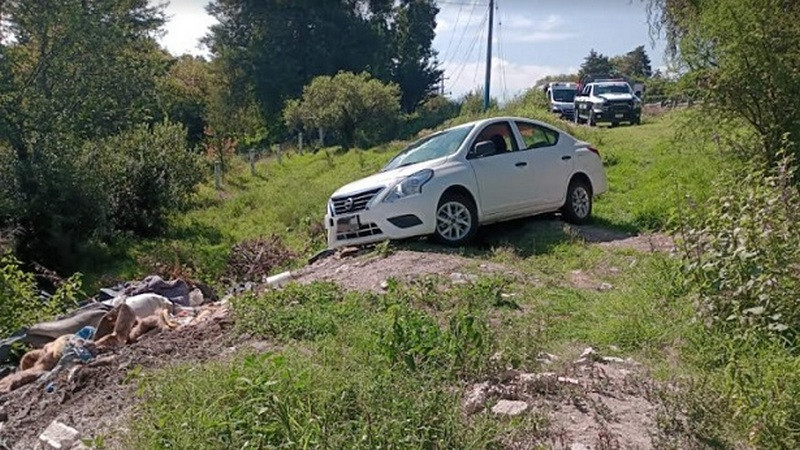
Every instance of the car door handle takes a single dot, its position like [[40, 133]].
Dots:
[[566, 158], [521, 164]]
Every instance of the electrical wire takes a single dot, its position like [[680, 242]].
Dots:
[[471, 48], [501, 50]]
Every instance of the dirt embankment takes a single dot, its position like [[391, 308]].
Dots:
[[98, 398]]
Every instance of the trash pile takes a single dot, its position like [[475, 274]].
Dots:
[[118, 316]]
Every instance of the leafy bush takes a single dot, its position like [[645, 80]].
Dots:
[[741, 253], [359, 108], [20, 304], [146, 174]]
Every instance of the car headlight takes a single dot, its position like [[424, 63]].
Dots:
[[411, 185]]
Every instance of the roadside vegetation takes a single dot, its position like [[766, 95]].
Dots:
[[127, 192]]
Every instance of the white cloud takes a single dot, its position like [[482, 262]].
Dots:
[[539, 36], [508, 78]]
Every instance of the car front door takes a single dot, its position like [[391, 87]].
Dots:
[[551, 165], [502, 177]]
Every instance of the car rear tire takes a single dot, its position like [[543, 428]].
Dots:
[[578, 207], [456, 220]]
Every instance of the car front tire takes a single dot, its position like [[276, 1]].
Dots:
[[456, 220], [578, 207]]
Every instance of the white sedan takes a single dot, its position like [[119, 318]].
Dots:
[[449, 183]]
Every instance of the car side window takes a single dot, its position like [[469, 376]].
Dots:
[[501, 135], [535, 136]]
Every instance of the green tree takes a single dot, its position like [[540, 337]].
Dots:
[[634, 64], [185, 92], [356, 107], [743, 55], [414, 69], [268, 50], [595, 63], [85, 68]]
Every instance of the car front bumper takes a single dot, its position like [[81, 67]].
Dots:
[[404, 218], [608, 115]]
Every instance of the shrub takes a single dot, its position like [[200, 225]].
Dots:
[[741, 253], [146, 174], [20, 304]]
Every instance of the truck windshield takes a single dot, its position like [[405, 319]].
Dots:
[[612, 89], [563, 95], [435, 146]]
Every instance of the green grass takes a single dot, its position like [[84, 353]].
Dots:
[[368, 371], [649, 171]]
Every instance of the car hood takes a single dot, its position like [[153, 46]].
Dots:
[[384, 179], [617, 96]]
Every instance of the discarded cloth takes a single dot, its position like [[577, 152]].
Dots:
[[175, 290], [45, 332]]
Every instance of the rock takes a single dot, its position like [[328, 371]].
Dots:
[[546, 358], [578, 446], [589, 354], [569, 380], [279, 279], [476, 398], [612, 360], [509, 407], [79, 446], [58, 436], [613, 348], [384, 285], [605, 287], [460, 278]]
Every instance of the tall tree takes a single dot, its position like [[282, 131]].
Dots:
[[414, 67], [634, 64], [272, 48], [86, 68], [595, 63], [743, 55]]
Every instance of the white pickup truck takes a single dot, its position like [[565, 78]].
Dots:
[[607, 101]]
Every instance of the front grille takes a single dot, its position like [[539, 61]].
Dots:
[[620, 106], [353, 203], [365, 230]]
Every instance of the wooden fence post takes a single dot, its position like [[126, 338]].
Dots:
[[252, 156], [217, 175]]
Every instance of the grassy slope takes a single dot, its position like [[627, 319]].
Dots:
[[329, 382], [648, 173]]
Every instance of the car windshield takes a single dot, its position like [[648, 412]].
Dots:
[[563, 95], [435, 146], [612, 89]]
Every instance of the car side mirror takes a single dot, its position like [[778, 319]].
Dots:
[[485, 148]]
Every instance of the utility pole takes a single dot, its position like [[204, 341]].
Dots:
[[488, 85]]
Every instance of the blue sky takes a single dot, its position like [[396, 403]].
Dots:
[[533, 38]]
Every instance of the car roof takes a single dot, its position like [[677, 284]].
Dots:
[[491, 120], [611, 83]]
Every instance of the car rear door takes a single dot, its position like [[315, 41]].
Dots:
[[550, 158], [503, 178]]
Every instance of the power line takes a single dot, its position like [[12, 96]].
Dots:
[[464, 32], [474, 42], [501, 51], [453, 35]]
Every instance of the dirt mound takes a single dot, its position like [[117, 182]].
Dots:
[[98, 397], [594, 402], [368, 271]]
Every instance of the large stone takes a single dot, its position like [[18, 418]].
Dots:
[[58, 436], [510, 407], [476, 398]]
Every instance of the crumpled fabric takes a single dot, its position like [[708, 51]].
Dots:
[[176, 290]]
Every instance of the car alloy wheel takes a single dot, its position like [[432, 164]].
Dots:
[[580, 200], [453, 221]]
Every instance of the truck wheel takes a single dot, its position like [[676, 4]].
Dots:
[[637, 121], [578, 207], [456, 220], [592, 120], [576, 118]]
